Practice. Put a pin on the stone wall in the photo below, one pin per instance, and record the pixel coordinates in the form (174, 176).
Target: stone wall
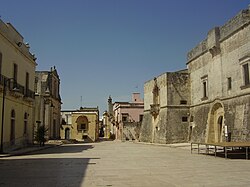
(146, 128)
(199, 116)
(237, 117)
(131, 130)
(228, 29)
(170, 123)
(218, 60)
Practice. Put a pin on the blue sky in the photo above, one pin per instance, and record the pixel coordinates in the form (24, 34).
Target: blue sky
(112, 47)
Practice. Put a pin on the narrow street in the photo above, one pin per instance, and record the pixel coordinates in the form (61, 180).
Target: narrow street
(121, 164)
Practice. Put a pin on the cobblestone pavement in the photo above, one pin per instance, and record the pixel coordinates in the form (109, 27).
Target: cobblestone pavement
(121, 164)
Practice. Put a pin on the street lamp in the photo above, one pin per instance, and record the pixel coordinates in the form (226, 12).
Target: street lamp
(5, 81)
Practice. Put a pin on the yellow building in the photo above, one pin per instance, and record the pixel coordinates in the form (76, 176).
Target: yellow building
(17, 74)
(81, 125)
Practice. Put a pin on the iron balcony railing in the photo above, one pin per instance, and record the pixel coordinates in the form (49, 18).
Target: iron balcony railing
(13, 85)
(29, 93)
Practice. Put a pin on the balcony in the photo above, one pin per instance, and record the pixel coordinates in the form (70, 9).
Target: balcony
(16, 89)
(154, 109)
(29, 95)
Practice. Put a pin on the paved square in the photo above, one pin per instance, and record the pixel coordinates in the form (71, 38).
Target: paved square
(122, 164)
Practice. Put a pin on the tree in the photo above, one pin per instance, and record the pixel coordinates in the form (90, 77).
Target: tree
(40, 135)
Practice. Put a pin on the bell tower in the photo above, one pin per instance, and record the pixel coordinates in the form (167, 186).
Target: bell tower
(110, 105)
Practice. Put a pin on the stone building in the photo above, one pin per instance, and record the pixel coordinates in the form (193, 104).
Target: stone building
(17, 74)
(220, 84)
(48, 102)
(124, 118)
(81, 125)
(108, 119)
(166, 108)
(107, 125)
(210, 102)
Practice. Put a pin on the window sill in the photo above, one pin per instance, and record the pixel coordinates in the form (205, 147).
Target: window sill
(204, 98)
(245, 86)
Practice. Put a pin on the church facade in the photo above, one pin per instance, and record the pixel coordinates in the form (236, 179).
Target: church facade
(48, 102)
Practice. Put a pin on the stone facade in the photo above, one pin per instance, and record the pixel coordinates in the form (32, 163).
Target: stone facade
(210, 102)
(166, 108)
(108, 119)
(124, 118)
(17, 75)
(48, 102)
(81, 125)
(220, 85)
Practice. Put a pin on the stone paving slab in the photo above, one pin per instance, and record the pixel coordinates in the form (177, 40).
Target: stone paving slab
(122, 164)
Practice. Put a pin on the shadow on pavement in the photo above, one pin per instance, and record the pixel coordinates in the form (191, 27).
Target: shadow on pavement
(232, 154)
(66, 148)
(44, 171)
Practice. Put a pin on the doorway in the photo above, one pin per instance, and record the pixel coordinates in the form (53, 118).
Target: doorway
(67, 132)
(12, 128)
(220, 127)
(215, 124)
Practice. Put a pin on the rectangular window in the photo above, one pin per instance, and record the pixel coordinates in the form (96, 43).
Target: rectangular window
(183, 102)
(15, 70)
(184, 119)
(229, 83)
(27, 82)
(25, 127)
(246, 74)
(1, 63)
(35, 86)
(125, 117)
(204, 89)
(83, 126)
(191, 118)
(141, 117)
(1, 77)
(204, 81)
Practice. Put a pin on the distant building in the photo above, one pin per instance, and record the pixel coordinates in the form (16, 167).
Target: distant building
(48, 102)
(126, 118)
(17, 75)
(81, 125)
(108, 119)
(166, 108)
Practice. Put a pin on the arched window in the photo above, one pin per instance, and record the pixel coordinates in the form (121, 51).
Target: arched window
(82, 123)
(25, 123)
(12, 127)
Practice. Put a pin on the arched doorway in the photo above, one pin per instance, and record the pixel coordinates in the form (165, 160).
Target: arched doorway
(12, 127)
(220, 127)
(67, 132)
(215, 123)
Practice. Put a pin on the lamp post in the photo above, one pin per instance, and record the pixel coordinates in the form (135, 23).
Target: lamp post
(5, 81)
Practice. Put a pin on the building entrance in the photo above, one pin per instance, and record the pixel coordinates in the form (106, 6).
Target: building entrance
(215, 124)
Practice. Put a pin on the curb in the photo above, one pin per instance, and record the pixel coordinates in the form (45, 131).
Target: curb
(24, 152)
(177, 145)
